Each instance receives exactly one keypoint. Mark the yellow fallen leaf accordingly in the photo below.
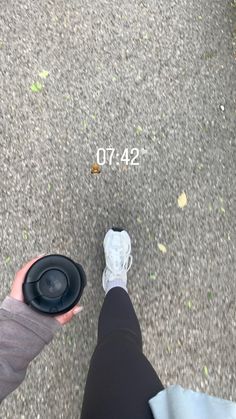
(44, 74)
(205, 371)
(139, 130)
(190, 304)
(25, 235)
(162, 248)
(182, 200)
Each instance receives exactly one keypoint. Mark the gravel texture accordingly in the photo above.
(159, 76)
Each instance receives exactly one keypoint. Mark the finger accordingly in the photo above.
(66, 317)
(77, 309)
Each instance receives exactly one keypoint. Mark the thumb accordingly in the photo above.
(77, 309)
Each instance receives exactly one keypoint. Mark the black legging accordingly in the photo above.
(120, 379)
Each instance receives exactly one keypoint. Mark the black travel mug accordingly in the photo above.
(54, 284)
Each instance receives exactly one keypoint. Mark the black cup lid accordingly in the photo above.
(54, 284)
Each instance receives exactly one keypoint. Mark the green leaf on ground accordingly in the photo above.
(25, 235)
(36, 87)
(152, 276)
(44, 74)
(49, 187)
(205, 371)
(139, 221)
(7, 259)
(209, 295)
(208, 55)
(189, 304)
(139, 130)
(200, 166)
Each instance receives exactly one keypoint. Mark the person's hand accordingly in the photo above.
(17, 292)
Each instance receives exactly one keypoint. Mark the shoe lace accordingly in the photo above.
(128, 260)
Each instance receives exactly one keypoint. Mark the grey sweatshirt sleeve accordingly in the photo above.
(23, 334)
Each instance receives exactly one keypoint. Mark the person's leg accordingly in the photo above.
(120, 380)
(117, 313)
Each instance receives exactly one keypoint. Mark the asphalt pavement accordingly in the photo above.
(76, 76)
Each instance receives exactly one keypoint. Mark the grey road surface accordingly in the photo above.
(157, 76)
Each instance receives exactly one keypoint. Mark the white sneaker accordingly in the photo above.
(117, 248)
